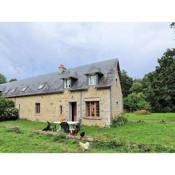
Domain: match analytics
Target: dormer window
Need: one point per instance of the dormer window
(67, 83)
(92, 80)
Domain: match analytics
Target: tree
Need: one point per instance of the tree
(2, 79)
(172, 25)
(7, 109)
(13, 79)
(162, 84)
(136, 101)
(126, 83)
(137, 86)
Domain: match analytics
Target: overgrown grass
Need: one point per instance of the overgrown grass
(132, 137)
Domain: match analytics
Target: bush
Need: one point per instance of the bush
(119, 120)
(136, 101)
(8, 110)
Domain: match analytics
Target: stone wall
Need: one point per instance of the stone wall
(116, 96)
(50, 106)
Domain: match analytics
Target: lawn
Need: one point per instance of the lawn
(168, 117)
(107, 140)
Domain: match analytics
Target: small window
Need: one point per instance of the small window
(67, 83)
(23, 89)
(37, 107)
(92, 109)
(41, 86)
(92, 80)
(61, 109)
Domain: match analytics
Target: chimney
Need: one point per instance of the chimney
(61, 68)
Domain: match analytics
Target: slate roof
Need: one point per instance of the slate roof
(53, 82)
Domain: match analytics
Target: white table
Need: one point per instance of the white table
(70, 123)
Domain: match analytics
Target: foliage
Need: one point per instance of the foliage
(160, 84)
(119, 120)
(13, 79)
(136, 101)
(137, 86)
(126, 83)
(2, 79)
(172, 25)
(7, 110)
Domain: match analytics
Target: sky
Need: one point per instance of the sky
(31, 49)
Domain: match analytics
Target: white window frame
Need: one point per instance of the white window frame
(92, 80)
(67, 83)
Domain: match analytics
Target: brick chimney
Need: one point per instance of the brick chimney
(61, 68)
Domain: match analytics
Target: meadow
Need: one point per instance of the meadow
(138, 135)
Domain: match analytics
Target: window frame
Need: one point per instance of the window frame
(92, 109)
(67, 83)
(92, 80)
(61, 109)
(37, 108)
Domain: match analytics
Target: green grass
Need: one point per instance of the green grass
(169, 117)
(138, 133)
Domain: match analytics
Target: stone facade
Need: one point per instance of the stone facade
(110, 101)
(105, 95)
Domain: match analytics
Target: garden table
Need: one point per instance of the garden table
(71, 124)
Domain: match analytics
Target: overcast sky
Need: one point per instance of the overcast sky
(29, 49)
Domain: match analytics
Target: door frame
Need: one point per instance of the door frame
(71, 108)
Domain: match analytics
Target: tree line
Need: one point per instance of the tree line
(156, 90)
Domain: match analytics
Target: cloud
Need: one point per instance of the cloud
(29, 49)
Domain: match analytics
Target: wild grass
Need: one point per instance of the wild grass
(132, 137)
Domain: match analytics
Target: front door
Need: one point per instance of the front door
(73, 111)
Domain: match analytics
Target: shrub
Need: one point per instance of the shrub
(136, 101)
(119, 120)
(8, 110)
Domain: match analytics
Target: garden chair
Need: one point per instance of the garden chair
(65, 127)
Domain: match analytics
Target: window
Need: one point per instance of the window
(92, 109)
(67, 83)
(61, 109)
(23, 89)
(92, 80)
(41, 86)
(37, 107)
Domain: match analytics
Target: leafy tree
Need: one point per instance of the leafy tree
(161, 91)
(136, 101)
(137, 86)
(2, 79)
(13, 79)
(126, 83)
(7, 109)
(172, 25)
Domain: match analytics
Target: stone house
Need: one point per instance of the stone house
(91, 93)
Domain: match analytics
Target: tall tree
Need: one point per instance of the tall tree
(162, 84)
(126, 83)
(2, 79)
(172, 25)
(13, 79)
